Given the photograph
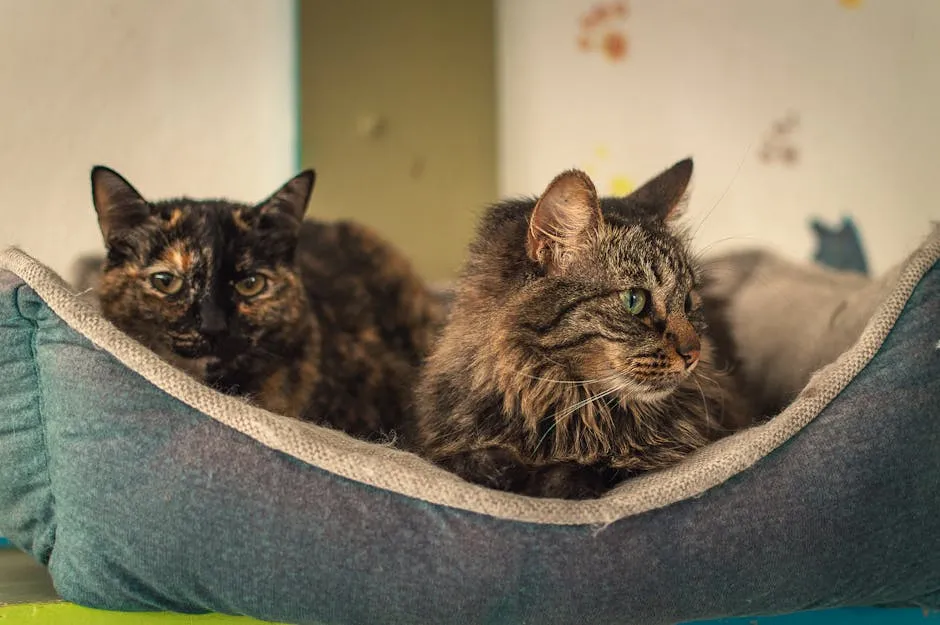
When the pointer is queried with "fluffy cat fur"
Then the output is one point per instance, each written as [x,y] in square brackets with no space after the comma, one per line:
[543,382]
[323,322]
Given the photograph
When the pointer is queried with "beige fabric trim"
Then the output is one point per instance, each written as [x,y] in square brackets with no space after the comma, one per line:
[390,469]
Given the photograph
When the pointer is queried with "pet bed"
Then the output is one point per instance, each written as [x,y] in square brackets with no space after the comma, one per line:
[141,489]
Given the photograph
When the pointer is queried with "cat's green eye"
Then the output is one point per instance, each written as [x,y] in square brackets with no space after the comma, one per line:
[252,285]
[634,300]
[166,282]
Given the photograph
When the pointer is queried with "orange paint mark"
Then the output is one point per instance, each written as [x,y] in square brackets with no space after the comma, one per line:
[602,29]
[615,46]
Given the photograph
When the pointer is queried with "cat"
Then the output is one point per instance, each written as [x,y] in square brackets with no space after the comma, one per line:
[324,322]
[575,353]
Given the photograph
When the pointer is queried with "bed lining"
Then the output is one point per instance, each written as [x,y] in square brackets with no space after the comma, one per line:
[393,470]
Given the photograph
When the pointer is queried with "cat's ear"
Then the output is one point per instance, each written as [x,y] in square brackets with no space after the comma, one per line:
[118,204]
[665,195]
[565,214]
[291,199]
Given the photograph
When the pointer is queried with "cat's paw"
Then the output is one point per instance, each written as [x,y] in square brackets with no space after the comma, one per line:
[494,467]
[569,480]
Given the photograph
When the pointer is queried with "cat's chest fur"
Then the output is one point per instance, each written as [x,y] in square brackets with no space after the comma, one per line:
[544,423]
[369,321]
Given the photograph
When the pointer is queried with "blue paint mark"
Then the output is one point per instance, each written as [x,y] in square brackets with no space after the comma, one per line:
[841,247]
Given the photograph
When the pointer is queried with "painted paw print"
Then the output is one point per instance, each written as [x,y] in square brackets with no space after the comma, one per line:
[607,183]
[602,30]
[779,145]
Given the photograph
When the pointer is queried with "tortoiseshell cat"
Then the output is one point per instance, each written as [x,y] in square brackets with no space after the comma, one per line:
[324,322]
[575,354]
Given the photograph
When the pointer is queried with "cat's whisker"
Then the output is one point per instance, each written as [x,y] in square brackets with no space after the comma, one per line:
[732,274]
[584,402]
[726,370]
[700,254]
[558,417]
[504,389]
[737,172]
[545,435]
[553,361]
[708,379]
[708,422]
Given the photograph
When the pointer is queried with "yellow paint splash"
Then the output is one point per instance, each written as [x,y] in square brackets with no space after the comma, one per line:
[851,4]
[621,185]
[608,183]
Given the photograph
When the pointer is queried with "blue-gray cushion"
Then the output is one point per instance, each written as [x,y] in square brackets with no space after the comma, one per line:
[143,490]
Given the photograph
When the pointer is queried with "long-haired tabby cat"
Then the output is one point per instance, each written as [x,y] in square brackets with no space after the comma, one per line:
[325,322]
[575,353]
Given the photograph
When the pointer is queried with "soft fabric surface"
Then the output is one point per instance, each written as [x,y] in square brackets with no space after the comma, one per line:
[142,489]
[71,614]
[789,319]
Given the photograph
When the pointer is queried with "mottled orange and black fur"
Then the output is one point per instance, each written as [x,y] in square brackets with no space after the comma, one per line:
[324,322]
[575,354]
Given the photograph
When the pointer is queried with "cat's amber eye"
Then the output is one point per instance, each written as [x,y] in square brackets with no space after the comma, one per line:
[252,285]
[634,300]
[166,282]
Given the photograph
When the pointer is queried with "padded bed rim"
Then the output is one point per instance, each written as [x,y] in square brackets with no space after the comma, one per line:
[404,473]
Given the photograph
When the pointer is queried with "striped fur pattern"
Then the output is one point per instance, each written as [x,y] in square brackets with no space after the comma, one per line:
[543,382]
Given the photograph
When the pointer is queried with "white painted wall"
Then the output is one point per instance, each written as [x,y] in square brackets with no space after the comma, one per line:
[707,79]
[181,96]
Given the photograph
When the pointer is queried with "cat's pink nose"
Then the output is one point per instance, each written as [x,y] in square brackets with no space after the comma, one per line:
[686,342]
[690,357]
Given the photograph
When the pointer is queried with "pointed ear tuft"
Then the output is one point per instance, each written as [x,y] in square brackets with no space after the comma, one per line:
[565,214]
[291,199]
[118,204]
[665,195]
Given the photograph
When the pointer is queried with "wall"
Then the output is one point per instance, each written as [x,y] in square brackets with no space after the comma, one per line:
[399,119]
[197,98]
[181,97]
[791,109]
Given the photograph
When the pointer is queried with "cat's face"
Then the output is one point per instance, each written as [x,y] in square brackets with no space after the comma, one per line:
[616,300]
[201,280]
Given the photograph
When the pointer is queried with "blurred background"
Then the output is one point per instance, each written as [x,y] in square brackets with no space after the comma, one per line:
[417,113]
